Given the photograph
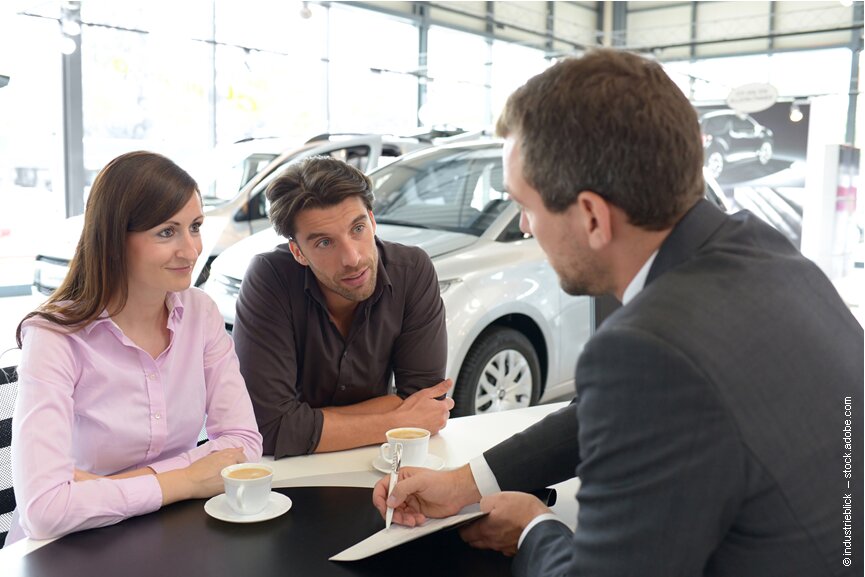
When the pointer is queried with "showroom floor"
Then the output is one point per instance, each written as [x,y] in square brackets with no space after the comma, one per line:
[13,308]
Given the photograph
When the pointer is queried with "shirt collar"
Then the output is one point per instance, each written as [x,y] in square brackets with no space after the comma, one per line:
[172,302]
[639,281]
[175,307]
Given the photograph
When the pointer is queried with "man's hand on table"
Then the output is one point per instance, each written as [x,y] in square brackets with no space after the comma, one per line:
[508,514]
[425,409]
[421,493]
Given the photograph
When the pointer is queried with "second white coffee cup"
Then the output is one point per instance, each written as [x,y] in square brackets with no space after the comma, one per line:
[247,487]
[415,445]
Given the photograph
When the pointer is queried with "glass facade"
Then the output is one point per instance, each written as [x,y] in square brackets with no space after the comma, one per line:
[187,78]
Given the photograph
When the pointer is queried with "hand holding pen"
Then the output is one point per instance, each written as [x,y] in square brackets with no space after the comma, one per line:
[394,473]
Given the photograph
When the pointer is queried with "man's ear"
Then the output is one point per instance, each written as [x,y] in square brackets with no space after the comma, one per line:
[295,251]
[595,217]
[372,220]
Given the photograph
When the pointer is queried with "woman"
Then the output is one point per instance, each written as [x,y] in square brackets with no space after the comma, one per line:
[120,366]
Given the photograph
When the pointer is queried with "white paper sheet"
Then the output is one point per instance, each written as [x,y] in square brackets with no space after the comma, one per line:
[398,534]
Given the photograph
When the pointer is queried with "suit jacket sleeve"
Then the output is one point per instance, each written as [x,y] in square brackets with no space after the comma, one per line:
[544,454]
[546,550]
[662,466]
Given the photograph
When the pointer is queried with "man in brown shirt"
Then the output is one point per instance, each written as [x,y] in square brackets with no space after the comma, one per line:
[324,320]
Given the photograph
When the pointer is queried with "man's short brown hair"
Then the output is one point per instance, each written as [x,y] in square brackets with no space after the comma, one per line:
[316,182]
[614,123]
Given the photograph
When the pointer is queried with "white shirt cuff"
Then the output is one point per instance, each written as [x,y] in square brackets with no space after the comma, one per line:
[484,478]
[535,521]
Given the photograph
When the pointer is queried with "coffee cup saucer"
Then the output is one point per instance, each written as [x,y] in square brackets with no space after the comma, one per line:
[218,508]
[433,462]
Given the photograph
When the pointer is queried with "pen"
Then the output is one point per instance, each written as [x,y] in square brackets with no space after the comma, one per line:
[394,472]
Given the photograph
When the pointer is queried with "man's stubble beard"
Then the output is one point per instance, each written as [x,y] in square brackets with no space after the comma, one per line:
[354,295]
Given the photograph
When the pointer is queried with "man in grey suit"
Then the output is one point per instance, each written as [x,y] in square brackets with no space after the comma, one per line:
[708,428]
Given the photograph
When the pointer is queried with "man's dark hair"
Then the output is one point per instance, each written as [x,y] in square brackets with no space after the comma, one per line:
[316,182]
[613,123]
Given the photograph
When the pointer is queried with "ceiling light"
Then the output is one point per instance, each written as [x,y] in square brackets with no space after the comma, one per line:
[795,112]
[68,45]
[305,12]
[70,27]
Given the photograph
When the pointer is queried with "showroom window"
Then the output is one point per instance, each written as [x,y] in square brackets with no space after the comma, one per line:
[512,66]
[373,74]
[459,75]
[31,150]
[800,73]
[270,76]
[143,91]
[183,77]
[146,80]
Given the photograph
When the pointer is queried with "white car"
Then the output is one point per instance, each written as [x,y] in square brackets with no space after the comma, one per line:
[233,214]
[513,335]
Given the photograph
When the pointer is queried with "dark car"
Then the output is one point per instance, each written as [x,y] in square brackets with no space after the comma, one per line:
[729,137]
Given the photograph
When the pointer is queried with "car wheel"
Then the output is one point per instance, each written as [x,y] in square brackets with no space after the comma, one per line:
[501,372]
[715,163]
[765,153]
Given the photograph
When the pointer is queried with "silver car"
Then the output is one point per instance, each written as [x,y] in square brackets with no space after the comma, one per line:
[242,212]
[513,335]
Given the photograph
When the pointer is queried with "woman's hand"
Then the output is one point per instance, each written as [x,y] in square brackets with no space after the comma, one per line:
[199,480]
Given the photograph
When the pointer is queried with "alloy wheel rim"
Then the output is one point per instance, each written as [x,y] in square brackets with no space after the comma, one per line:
[505,383]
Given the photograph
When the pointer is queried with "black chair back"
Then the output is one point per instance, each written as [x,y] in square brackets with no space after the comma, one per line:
[8,392]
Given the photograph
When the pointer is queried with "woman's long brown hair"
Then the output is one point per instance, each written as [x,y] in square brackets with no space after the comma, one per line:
[134,192]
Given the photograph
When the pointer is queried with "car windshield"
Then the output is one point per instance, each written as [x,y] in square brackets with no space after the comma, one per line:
[223,171]
[458,190]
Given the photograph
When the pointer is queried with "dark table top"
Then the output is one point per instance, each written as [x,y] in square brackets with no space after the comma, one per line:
[183,540]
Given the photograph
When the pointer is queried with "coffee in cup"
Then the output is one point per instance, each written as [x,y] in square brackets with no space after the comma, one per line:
[249,473]
[247,487]
[407,434]
[414,442]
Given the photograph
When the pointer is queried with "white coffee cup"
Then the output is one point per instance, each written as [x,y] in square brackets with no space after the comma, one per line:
[415,446]
[247,487]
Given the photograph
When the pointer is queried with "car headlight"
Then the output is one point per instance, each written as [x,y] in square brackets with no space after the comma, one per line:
[445,285]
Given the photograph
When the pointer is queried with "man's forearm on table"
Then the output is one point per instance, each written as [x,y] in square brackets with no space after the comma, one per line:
[374,406]
[344,427]
[347,431]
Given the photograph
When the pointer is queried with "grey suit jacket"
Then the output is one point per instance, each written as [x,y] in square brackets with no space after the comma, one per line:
[709,419]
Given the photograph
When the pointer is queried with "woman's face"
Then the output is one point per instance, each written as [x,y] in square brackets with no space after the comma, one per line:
[161,259]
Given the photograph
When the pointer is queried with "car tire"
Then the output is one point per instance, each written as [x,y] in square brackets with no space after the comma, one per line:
[500,372]
[715,162]
[764,154]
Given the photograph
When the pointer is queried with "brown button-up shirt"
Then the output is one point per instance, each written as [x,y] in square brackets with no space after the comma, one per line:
[295,360]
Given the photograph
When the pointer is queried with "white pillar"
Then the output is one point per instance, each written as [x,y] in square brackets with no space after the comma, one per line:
[825,223]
